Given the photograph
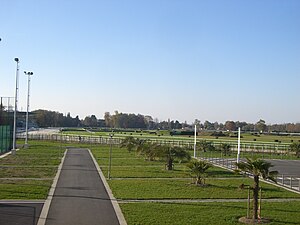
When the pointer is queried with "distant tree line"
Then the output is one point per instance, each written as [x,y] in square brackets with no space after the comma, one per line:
[124,120]
[259,126]
[46,118]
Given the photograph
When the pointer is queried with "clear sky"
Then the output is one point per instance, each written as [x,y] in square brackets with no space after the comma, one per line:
[213,60]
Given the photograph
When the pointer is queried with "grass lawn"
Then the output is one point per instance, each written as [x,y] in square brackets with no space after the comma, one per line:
[27,172]
[24,189]
[185,189]
[129,165]
[206,213]
[158,171]
[40,160]
[139,182]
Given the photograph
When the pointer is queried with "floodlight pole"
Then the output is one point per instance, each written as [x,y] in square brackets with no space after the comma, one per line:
[13,151]
[239,146]
[195,141]
[27,111]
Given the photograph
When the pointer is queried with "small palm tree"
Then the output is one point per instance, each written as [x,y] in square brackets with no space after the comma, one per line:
[147,149]
[257,167]
[295,147]
[129,143]
[198,169]
[205,146]
[170,153]
[225,148]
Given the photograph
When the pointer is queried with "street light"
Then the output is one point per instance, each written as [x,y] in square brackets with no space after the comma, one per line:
[110,152]
[28,88]
[13,151]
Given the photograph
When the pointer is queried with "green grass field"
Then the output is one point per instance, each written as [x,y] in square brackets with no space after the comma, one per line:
[134,178]
[24,189]
[206,213]
[185,189]
[29,173]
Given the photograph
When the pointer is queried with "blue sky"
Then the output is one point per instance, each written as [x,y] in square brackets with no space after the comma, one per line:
[209,60]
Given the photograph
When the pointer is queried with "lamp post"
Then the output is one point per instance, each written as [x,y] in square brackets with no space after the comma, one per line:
[27,112]
[13,151]
[110,152]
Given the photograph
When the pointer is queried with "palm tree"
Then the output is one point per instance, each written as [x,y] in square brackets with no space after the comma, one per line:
[129,143]
[205,146]
[225,148]
[147,149]
[198,168]
[257,167]
[295,147]
[170,153]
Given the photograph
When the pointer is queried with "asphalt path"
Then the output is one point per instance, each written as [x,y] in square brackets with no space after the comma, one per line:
[80,196]
[286,167]
[20,213]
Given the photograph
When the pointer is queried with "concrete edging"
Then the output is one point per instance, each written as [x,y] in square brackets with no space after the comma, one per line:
[46,206]
[113,200]
[8,153]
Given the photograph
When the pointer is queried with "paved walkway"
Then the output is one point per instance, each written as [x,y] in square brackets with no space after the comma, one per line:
[20,212]
[80,196]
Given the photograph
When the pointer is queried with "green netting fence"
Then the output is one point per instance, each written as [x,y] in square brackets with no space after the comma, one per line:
[5,138]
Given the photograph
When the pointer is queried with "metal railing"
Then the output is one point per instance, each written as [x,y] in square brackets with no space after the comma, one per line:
[288,181]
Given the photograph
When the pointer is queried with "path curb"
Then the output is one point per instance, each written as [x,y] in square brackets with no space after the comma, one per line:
[113,200]
[8,153]
[45,210]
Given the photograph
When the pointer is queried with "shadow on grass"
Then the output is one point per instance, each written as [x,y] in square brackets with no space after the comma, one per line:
[222,173]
